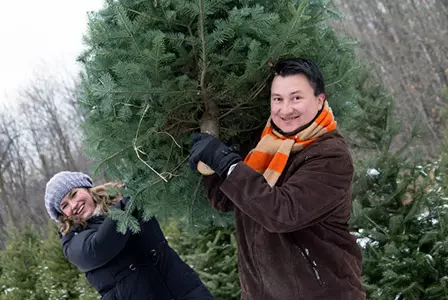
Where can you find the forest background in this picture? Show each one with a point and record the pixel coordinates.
(406, 253)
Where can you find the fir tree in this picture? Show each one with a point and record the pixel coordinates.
(57, 277)
(212, 254)
(19, 263)
(36, 269)
(155, 71)
(399, 212)
(402, 215)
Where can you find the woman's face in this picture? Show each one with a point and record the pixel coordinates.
(78, 202)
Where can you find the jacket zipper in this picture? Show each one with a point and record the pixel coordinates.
(312, 264)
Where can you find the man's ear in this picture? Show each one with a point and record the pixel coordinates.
(321, 99)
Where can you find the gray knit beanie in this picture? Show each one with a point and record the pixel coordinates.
(59, 186)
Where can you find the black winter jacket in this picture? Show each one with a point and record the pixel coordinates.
(131, 266)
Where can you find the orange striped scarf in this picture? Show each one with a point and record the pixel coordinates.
(271, 154)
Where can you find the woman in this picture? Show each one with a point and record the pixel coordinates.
(118, 266)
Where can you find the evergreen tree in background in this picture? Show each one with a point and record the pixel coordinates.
(35, 268)
(58, 278)
(19, 264)
(400, 211)
(401, 215)
(212, 253)
(155, 71)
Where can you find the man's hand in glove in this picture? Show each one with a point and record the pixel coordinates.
(212, 152)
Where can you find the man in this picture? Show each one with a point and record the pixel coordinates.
(291, 196)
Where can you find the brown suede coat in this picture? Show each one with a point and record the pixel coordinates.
(293, 239)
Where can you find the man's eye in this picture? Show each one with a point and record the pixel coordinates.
(297, 98)
(276, 99)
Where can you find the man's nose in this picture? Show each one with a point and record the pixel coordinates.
(286, 108)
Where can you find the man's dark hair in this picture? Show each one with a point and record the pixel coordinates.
(295, 66)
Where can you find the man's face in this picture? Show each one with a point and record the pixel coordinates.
(293, 103)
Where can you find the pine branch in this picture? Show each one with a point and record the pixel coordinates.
(377, 226)
(252, 129)
(169, 128)
(170, 174)
(146, 92)
(342, 77)
(137, 148)
(298, 17)
(189, 130)
(157, 19)
(183, 121)
(120, 13)
(174, 140)
(183, 104)
(203, 55)
(109, 158)
(195, 194)
(251, 98)
(169, 156)
(126, 104)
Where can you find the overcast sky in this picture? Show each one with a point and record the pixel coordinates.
(40, 37)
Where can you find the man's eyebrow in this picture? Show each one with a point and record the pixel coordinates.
(296, 92)
(292, 93)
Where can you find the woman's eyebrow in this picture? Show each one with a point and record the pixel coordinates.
(71, 194)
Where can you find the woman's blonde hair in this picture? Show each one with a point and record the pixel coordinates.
(104, 196)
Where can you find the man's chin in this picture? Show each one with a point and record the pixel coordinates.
(287, 129)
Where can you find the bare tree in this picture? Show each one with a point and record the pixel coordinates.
(38, 139)
(5, 163)
(407, 42)
(45, 112)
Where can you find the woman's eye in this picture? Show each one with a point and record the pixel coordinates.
(276, 99)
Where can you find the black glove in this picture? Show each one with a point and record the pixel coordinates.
(212, 152)
(122, 203)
